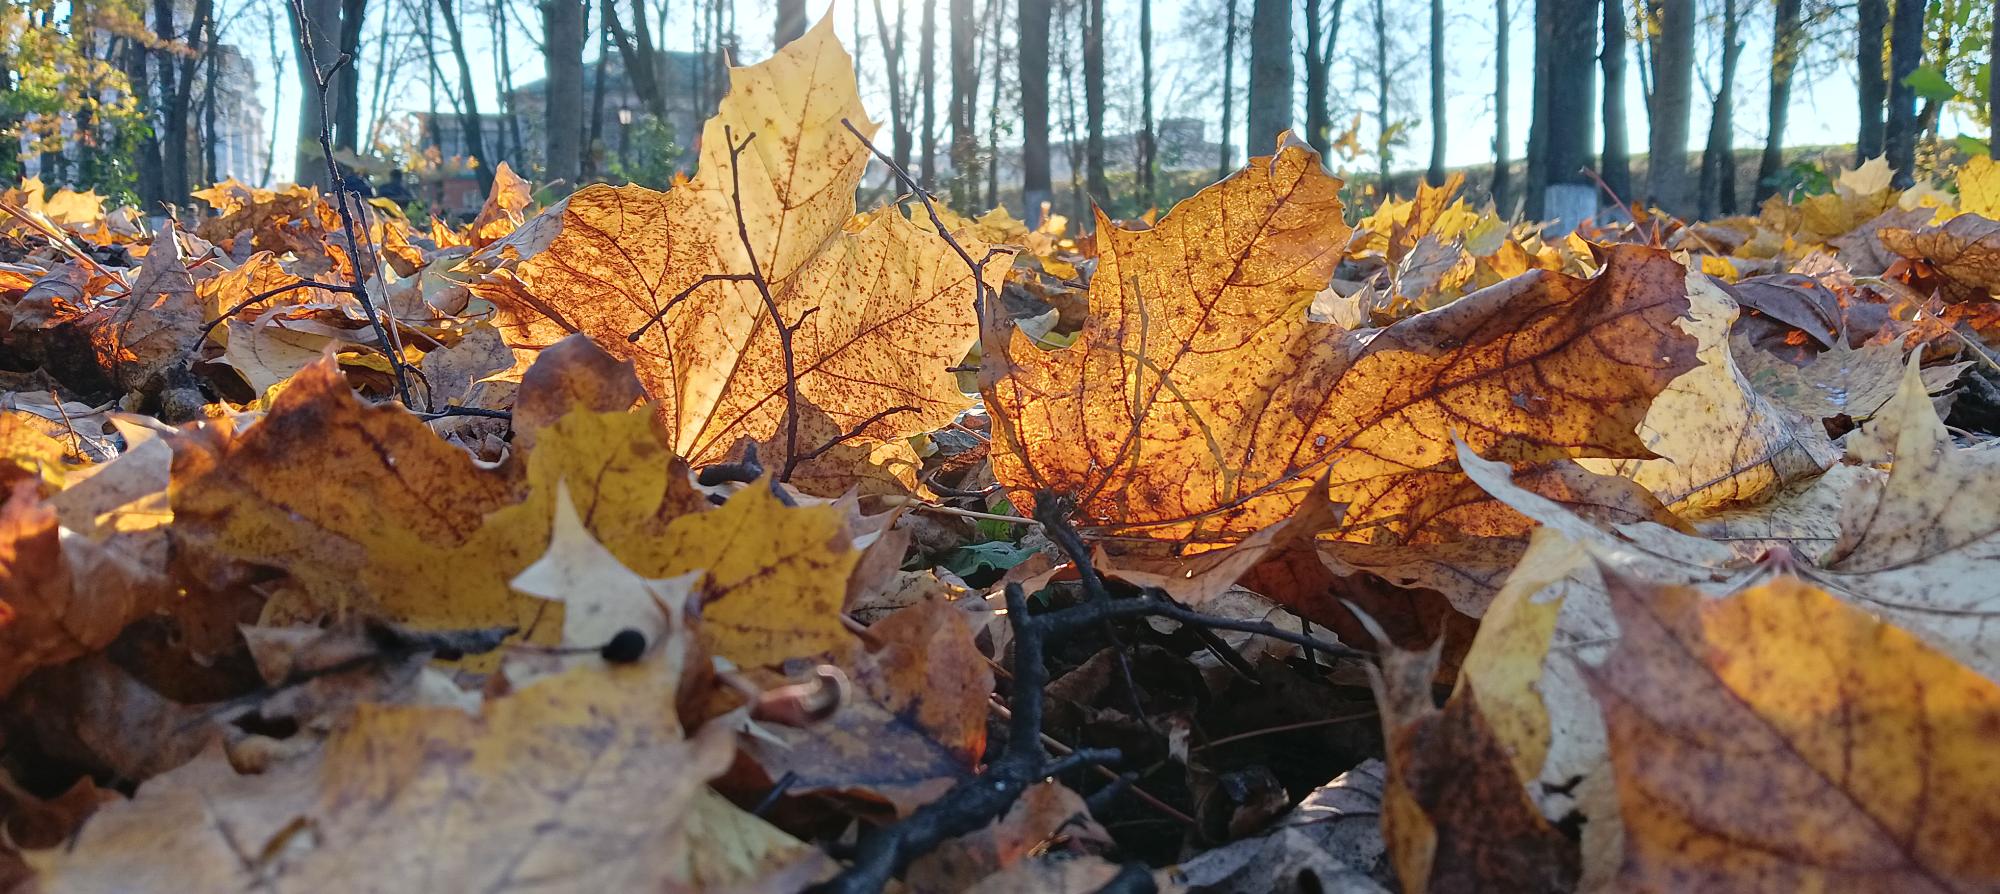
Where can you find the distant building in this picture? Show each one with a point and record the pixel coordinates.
(690, 83)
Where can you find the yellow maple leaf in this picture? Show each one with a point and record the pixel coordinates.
(875, 312)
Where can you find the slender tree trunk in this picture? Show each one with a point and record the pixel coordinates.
(636, 50)
(791, 23)
(177, 181)
(1316, 123)
(516, 147)
(1503, 167)
(1382, 126)
(1993, 84)
(1034, 73)
(1872, 27)
(347, 93)
(1672, 105)
(593, 142)
(1436, 172)
(322, 23)
(1615, 163)
(209, 167)
(892, 64)
(1222, 165)
(1072, 141)
(996, 23)
(1785, 45)
(964, 99)
(1093, 103)
(1271, 76)
(1718, 158)
(1906, 50)
(562, 22)
(1536, 176)
(469, 121)
(927, 82)
(1148, 138)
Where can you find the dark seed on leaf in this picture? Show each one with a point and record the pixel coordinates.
(627, 646)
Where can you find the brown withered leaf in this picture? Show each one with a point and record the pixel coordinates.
(160, 319)
(1454, 814)
(1965, 252)
(1780, 739)
(1049, 819)
(1199, 403)
(917, 725)
(586, 777)
(879, 307)
(63, 597)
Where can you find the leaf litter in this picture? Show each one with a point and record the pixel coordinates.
(740, 539)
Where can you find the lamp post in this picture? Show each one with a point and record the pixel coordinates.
(624, 138)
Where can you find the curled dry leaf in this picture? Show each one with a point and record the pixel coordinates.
(1780, 739)
(1965, 252)
(879, 307)
(916, 726)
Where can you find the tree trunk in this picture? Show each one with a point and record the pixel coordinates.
(1222, 165)
(1906, 50)
(468, 116)
(964, 99)
(927, 82)
(1093, 103)
(1381, 54)
(321, 26)
(636, 50)
(1993, 84)
(1873, 91)
(1718, 158)
(1503, 175)
(563, 107)
(791, 23)
(892, 63)
(1435, 175)
(1148, 139)
(996, 21)
(347, 81)
(1672, 105)
(1034, 72)
(1560, 141)
(1317, 126)
(1785, 46)
(176, 180)
(1270, 75)
(1615, 163)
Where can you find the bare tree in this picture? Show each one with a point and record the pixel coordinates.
(1383, 129)
(1560, 136)
(1146, 146)
(1228, 86)
(1034, 73)
(902, 140)
(1093, 103)
(927, 82)
(1671, 106)
(640, 55)
(563, 40)
(1786, 42)
(1317, 125)
(1872, 26)
(469, 120)
(791, 23)
(1503, 168)
(1718, 158)
(322, 19)
(1614, 164)
(1906, 50)
(964, 100)
(1435, 175)
(1270, 74)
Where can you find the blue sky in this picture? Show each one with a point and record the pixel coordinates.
(1186, 46)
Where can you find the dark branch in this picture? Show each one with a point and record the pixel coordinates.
(683, 296)
(853, 433)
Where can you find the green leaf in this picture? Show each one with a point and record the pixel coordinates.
(993, 555)
(1930, 84)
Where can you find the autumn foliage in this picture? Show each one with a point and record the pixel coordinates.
(735, 538)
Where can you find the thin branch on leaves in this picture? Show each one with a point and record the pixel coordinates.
(684, 293)
(853, 433)
(770, 303)
(267, 294)
(321, 82)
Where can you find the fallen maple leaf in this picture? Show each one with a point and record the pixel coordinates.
(877, 309)
(1781, 739)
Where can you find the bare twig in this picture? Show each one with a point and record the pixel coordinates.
(240, 306)
(684, 293)
(770, 303)
(853, 433)
(321, 81)
(475, 412)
